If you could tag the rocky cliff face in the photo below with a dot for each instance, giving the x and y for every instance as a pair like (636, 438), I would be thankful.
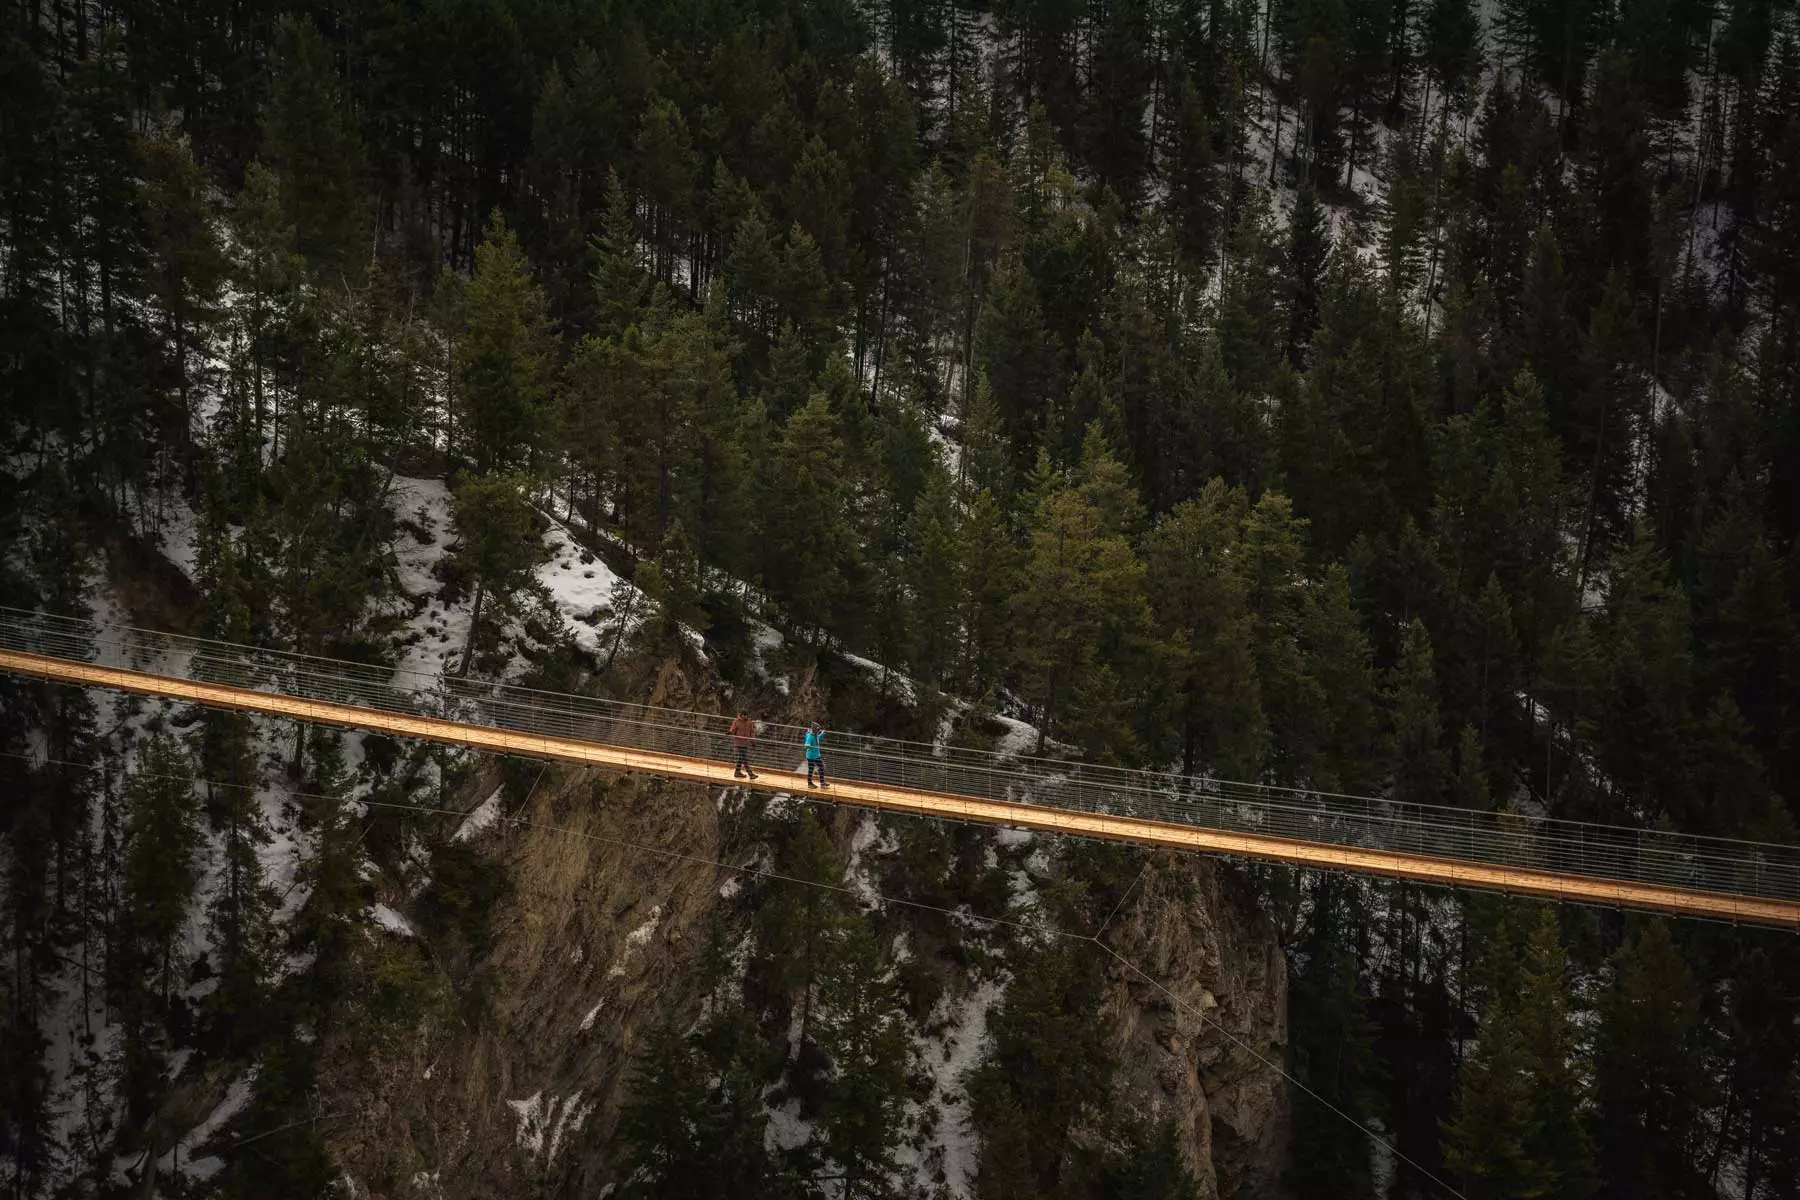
(1202, 1018)
(600, 938)
(594, 946)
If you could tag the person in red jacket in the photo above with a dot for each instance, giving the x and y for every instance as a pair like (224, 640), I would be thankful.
(743, 736)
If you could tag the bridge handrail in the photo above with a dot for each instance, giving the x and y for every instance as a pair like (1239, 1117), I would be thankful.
(1607, 851)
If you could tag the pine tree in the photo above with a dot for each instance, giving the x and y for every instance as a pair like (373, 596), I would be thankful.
(224, 752)
(503, 356)
(1486, 1141)
(497, 548)
(811, 544)
(1556, 1133)
(669, 168)
(1650, 1081)
(672, 583)
(1200, 601)
(935, 574)
(1331, 1050)
(1047, 1072)
(862, 1029)
(619, 278)
(189, 268)
(1117, 92)
(992, 566)
(1082, 601)
(265, 328)
(1018, 360)
(311, 142)
(160, 872)
(326, 923)
(797, 926)
(1195, 202)
(1419, 767)
(1340, 751)
(693, 1130)
(819, 199)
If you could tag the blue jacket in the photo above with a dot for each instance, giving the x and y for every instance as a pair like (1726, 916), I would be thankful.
(813, 738)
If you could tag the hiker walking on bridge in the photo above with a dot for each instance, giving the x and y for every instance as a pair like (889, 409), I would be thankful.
(815, 755)
(743, 737)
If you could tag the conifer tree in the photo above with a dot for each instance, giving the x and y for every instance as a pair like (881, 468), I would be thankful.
(225, 755)
(862, 1029)
(503, 355)
(1331, 1049)
(1650, 1082)
(1047, 1072)
(992, 575)
(1419, 766)
(1200, 600)
(1554, 1062)
(1486, 1140)
(935, 573)
(189, 268)
(693, 1130)
(1018, 360)
(619, 277)
(161, 869)
(1082, 604)
(797, 925)
(265, 327)
(498, 545)
(811, 544)
(311, 142)
(1309, 246)
(333, 871)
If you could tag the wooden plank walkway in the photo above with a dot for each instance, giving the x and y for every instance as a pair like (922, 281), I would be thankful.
(1546, 885)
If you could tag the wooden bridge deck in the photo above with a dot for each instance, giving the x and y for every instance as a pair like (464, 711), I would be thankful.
(1583, 889)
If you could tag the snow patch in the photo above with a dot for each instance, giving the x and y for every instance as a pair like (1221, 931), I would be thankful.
(478, 821)
(237, 1099)
(764, 641)
(392, 921)
(545, 1123)
(952, 1145)
(888, 680)
(598, 608)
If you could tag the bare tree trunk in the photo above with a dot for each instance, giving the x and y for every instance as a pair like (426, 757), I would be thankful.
(462, 668)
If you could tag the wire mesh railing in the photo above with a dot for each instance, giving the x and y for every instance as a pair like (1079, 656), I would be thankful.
(1644, 856)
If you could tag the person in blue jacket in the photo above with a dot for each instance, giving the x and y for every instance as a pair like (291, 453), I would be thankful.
(815, 757)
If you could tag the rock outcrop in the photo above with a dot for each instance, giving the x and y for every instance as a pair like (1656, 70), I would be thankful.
(1201, 1013)
(593, 947)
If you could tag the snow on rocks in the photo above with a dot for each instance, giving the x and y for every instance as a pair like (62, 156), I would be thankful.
(786, 1129)
(636, 940)
(237, 1099)
(951, 1144)
(392, 921)
(764, 641)
(438, 630)
(596, 606)
(480, 819)
(544, 1124)
(1018, 739)
(869, 839)
(890, 681)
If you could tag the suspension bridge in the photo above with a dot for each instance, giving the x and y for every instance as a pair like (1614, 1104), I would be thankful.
(1568, 861)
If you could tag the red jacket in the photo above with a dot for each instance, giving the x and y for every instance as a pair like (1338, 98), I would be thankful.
(743, 731)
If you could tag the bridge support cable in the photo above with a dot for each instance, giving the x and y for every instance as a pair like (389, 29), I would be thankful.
(1557, 860)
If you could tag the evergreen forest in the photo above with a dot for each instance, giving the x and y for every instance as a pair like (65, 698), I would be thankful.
(1379, 397)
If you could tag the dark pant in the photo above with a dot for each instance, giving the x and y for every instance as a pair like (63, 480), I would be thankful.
(815, 764)
(743, 761)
